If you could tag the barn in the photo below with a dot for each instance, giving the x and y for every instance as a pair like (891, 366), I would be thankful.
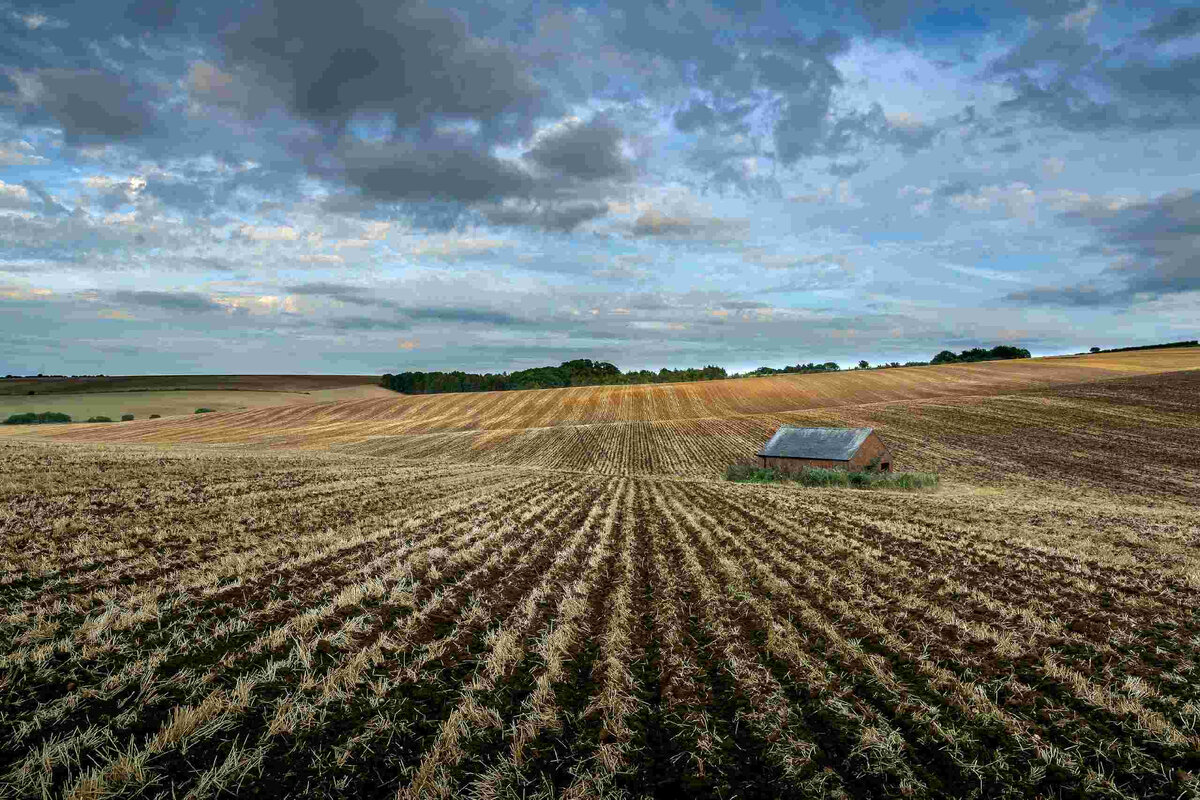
(792, 449)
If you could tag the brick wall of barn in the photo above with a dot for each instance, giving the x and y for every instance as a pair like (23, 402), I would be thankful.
(797, 464)
(873, 446)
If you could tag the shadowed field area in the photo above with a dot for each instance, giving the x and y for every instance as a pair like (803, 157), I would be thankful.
(583, 610)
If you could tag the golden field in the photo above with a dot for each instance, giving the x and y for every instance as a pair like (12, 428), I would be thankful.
(552, 594)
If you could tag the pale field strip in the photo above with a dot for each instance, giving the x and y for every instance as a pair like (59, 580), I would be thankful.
(922, 708)
(790, 745)
(615, 702)
(686, 695)
(350, 595)
(505, 652)
(558, 644)
(855, 561)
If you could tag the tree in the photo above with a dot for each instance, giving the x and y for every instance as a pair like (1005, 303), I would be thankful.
(863, 365)
(126, 417)
(1094, 350)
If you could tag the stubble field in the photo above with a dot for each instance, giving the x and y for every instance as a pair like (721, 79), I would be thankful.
(198, 619)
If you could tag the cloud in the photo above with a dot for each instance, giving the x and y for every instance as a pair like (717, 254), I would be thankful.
(697, 116)
(361, 323)
(19, 154)
(847, 169)
(743, 305)
(50, 206)
(282, 233)
(563, 218)
(654, 223)
(585, 151)
(182, 302)
(1180, 23)
(14, 196)
(1155, 243)
(405, 315)
(91, 106)
(152, 13)
(413, 61)
(442, 169)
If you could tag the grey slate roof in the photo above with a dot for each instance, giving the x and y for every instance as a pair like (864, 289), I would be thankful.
(827, 444)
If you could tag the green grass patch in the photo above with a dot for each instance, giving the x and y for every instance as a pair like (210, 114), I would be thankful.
(744, 472)
(205, 410)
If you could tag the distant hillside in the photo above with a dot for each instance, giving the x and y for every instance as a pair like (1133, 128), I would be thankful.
(150, 383)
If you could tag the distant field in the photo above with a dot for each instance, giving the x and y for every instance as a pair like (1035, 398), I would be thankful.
(169, 403)
(138, 383)
(702, 412)
(431, 601)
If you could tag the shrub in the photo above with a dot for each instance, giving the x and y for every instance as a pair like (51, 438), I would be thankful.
(750, 472)
(205, 410)
(126, 417)
(30, 418)
(155, 416)
(747, 472)
(100, 419)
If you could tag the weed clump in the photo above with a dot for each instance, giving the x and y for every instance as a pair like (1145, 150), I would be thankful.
(99, 419)
(748, 472)
(205, 410)
(126, 417)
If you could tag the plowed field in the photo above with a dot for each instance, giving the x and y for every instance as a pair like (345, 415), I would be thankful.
(579, 611)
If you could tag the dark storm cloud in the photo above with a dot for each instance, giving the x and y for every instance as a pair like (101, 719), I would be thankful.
(1180, 23)
(183, 302)
(416, 62)
(1061, 76)
(435, 170)
(1157, 241)
(90, 105)
(561, 218)
(588, 151)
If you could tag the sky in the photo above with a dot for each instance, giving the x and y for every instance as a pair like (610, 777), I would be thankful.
(360, 187)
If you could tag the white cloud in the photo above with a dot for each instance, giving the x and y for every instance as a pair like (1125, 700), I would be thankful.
(13, 196)
(283, 233)
(19, 154)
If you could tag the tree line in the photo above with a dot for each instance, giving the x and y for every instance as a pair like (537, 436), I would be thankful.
(997, 353)
(580, 372)
(586, 372)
